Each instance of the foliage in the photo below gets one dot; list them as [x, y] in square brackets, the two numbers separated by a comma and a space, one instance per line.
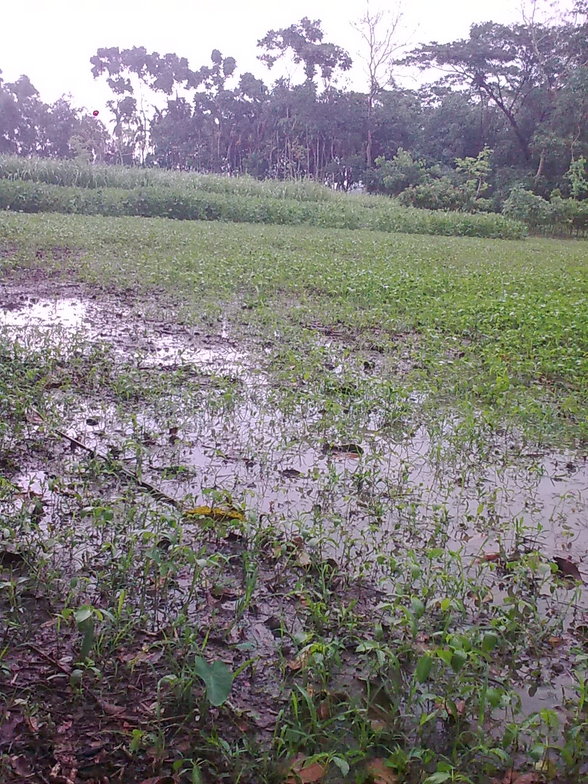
[557, 216]
[156, 201]
[577, 176]
[426, 187]
[304, 41]
[517, 93]
[396, 175]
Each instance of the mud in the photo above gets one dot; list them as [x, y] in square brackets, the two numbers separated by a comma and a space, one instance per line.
[281, 462]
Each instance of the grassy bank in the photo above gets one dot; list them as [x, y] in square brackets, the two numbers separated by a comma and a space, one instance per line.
[29, 186]
[83, 175]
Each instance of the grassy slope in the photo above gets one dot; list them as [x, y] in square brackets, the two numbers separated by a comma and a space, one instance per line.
[39, 185]
[502, 326]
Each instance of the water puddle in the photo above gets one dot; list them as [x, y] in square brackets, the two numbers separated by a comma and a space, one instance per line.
[285, 465]
[43, 323]
[48, 314]
[351, 486]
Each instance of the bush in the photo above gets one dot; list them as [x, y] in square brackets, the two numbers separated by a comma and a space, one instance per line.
[557, 217]
[346, 213]
[394, 176]
[439, 194]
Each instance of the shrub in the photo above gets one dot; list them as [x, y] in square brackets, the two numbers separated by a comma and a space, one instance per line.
[558, 216]
[346, 213]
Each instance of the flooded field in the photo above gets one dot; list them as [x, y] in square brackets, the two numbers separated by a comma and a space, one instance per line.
[282, 458]
[279, 536]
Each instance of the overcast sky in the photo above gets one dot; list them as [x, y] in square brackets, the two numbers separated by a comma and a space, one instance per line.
[52, 40]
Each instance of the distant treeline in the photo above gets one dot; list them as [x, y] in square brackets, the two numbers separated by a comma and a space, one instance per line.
[511, 112]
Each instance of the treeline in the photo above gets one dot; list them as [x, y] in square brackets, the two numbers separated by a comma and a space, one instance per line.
[511, 112]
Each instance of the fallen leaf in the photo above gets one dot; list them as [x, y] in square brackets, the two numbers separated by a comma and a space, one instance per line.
[220, 513]
[489, 558]
[568, 568]
[221, 592]
[32, 723]
[380, 772]
[343, 450]
[20, 765]
[324, 710]
[300, 661]
[554, 641]
[304, 559]
[303, 772]
[110, 708]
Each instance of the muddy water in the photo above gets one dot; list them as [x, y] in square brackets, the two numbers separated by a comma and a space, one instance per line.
[47, 314]
[290, 468]
[396, 491]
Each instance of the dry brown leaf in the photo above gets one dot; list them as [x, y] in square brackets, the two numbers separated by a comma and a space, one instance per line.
[303, 558]
[324, 710]
[300, 661]
[302, 772]
[555, 641]
[380, 772]
[489, 558]
[569, 568]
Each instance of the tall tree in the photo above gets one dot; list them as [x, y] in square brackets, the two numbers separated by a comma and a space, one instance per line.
[512, 65]
[303, 41]
[378, 31]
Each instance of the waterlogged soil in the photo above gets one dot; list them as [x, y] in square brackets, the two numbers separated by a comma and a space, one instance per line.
[221, 419]
[267, 456]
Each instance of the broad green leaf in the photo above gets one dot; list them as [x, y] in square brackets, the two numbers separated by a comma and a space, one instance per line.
[438, 778]
[342, 764]
[494, 697]
[83, 614]
[217, 678]
[423, 668]
[458, 659]
[489, 641]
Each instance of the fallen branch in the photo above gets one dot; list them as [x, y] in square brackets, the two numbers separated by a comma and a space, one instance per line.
[121, 469]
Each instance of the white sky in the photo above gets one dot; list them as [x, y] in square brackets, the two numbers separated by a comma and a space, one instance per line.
[52, 40]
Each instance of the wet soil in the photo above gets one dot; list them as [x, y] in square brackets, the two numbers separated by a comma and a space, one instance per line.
[331, 503]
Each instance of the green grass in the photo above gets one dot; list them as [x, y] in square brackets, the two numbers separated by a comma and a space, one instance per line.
[48, 186]
[346, 621]
[84, 175]
[502, 327]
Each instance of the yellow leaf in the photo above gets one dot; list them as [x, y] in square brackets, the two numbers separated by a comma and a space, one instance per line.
[220, 513]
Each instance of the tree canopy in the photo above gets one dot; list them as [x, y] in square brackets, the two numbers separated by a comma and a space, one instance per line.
[519, 91]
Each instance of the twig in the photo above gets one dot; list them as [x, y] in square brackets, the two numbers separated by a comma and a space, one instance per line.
[121, 469]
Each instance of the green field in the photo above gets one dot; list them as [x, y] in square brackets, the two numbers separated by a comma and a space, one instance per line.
[384, 435]
[37, 185]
